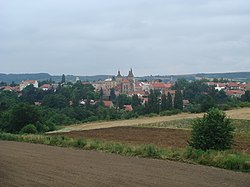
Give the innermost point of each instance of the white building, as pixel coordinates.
(26, 83)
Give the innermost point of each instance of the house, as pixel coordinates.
(46, 87)
(185, 103)
(145, 86)
(128, 108)
(220, 86)
(144, 101)
(138, 93)
(10, 88)
(235, 93)
(108, 104)
(233, 86)
(160, 86)
(26, 83)
(247, 86)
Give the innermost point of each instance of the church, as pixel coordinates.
(125, 84)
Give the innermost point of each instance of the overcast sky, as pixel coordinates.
(89, 37)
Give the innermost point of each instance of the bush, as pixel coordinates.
(29, 129)
(80, 143)
(170, 112)
(194, 108)
(152, 115)
(213, 131)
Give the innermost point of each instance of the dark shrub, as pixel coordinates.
(213, 131)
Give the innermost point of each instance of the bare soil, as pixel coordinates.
(161, 137)
(24, 164)
(242, 113)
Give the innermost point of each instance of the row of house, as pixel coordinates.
(235, 89)
(24, 84)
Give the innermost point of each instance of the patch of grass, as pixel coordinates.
(241, 126)
(223, 159)
(180, 124)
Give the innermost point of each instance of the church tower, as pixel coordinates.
(131, 81)
(119, 77)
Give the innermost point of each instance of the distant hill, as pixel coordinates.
(17, 78)
(235, 75)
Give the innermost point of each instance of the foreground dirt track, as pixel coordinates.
(23, 164)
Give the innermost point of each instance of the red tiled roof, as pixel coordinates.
(233, 84)
(137, 93)
(170, 91)
(45, 86)
(8, 88)
(108, 103)
(221, 84)
(128, 108)
(234, 92)
(29, 81)
(212, 83)
(161, 85)
(125, 81)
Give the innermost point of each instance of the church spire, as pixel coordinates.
(130, 74)
(119, 74)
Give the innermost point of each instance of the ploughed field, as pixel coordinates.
(162, 137)
(25, 164)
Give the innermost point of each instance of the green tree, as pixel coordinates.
(163, 102)
(169, 102)
(221, 96)
(29, 129)
(112, 96)
(181, 84)
(153, 102)
(246, 96)
(178, 100)
(3, 84)
(101, 95)
(55, 101)
(207, 103)
(22, 115)
(213, 131)
(63, 79)
(122, 100)
(136, 102)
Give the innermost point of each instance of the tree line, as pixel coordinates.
(61, 106)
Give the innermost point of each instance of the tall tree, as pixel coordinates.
(246, 96)
(163, 102)
(22, 115)
(178, 100)
(122, 100)
(135, 101)
(169, 104)
(101, 95)
(112, 96)
(63, 79)
(153, 102)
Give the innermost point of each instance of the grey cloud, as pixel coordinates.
(98, 37)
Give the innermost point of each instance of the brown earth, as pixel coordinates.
(24, 164)
(241, 113)
(161, 137)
